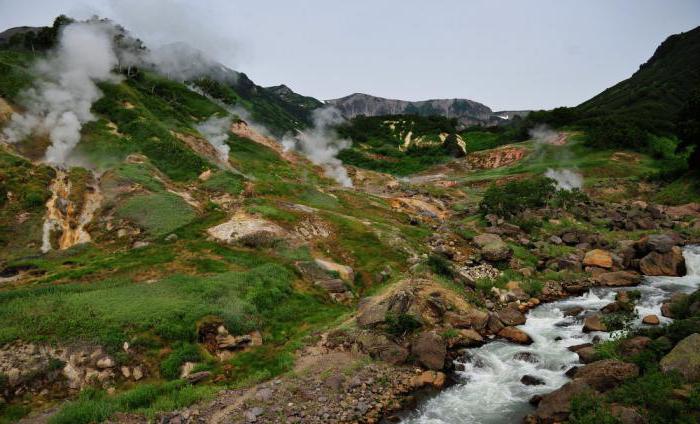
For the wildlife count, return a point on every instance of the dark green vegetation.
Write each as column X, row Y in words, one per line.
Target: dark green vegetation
column 515, row 197
column 402, row 144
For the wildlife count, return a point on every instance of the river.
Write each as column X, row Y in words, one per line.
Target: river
column 489, row 390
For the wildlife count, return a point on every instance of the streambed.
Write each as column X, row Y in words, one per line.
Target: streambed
column 489, row 390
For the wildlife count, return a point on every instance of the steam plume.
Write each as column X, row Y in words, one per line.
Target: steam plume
column 215, row 130
column 322, row 145
column 542, row 134
column 59, row 102
column 566, row 179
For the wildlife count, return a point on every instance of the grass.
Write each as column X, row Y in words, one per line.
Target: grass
column 111, row 311
column 158, row 213
column 224, row 182
column 96, row 406
column 182, row 352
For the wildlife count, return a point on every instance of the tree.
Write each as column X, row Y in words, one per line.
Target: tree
column 688, row 129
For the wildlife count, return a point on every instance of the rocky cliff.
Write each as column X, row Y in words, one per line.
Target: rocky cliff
column 467, row 112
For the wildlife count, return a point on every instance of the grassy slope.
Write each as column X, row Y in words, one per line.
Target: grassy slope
column 99, row 291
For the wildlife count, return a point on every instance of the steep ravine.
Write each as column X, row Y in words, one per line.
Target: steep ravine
column 490, row 390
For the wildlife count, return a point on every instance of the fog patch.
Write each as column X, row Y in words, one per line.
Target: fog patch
column 321, row 144
column 59, row 102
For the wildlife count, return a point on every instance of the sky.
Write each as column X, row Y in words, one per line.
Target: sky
column 509, row 55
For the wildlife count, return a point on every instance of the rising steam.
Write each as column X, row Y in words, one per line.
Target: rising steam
column 215, row 130
column 566, row 179
column 59, row 102
column 322, row 145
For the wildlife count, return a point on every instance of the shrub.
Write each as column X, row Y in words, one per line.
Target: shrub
column 514, row 197
column 182, row 352
column 532, row 287
column 586, row 409
column 402, row 324
column 440, row 265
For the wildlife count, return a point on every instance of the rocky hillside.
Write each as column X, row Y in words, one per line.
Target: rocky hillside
column 176, row 264
column 467, row 112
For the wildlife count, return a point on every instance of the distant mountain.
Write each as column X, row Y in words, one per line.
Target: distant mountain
column 467, row 112
column 654, row 94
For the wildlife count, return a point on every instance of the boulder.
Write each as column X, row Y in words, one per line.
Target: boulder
column 573, row 311
column 606, row 374
column 381, row 347
column 492, row 247
column 587, row 354
column 618, row 279
column 598, row 258
column 627, row 414
column 670, row 264
column 593, row 323
column 473, row 318
column 684, row 358
column 515, row 335
column 430, row 350
column 650, row 320
column 511, row 317
column 531, row 380
column 370, row 312
column 494, row 325
column 556, row 406
column 466, row 338
column 434, row 379
column 345, row 272
column 633, row 346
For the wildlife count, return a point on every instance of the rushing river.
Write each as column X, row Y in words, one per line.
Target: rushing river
column 490, row 390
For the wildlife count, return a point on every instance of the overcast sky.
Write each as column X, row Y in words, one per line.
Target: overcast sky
column 505, row 54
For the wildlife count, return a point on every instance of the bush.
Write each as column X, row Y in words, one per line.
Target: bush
column 586, row 409
column 440, row 265
column 514, row 197
column 402, row 324
column 182, row 352
column 532, row 287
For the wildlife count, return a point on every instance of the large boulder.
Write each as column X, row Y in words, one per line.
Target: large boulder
column 472, row 318
column 684, row 358
column 606, row 374
column 670, row 263
column 593, row 323
column 515, row 335
column 430, row 350
column 598, row 258
column 492, row 247
column 556, row 406
column 511, row 317
column 381, row 347
column 618, row 279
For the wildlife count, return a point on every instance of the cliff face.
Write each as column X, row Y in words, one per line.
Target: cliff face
column 467, row 112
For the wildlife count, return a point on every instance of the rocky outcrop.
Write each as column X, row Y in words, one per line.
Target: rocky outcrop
column 684, row 358
column 430, row 350
column 496, row 158
column 248, row 230
column 467, row 112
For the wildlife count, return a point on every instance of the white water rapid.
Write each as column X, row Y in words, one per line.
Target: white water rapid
column 490, row 391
